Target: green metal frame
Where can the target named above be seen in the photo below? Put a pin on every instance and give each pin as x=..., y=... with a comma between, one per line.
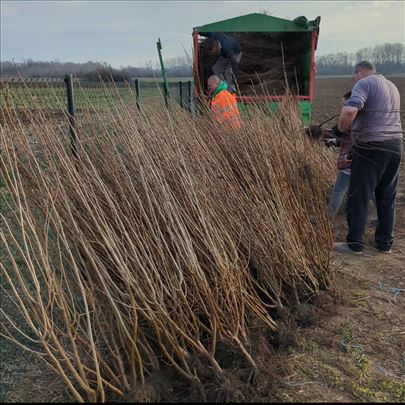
x=272, y=106
x=256, y=22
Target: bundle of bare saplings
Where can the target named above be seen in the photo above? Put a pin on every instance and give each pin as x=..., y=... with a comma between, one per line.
x=161, y=241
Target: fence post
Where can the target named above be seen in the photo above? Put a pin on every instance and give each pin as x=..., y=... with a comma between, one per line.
x=71, y=113
x=138, y=94
x=190, y=98
x=181, y=93
x=166, y=94
x=162, y=66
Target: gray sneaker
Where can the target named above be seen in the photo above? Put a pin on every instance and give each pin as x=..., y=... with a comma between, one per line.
x=343, y=247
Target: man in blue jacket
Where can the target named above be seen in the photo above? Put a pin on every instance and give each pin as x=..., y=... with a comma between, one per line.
x=230, y=51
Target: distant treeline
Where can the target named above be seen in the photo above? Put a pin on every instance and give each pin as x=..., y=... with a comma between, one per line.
x=94, y=71
x=388, y=58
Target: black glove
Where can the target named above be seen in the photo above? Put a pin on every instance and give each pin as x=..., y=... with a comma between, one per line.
x=314, y=131
x=336, y=132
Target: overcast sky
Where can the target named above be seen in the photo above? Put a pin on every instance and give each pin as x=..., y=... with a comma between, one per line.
x=124, y=33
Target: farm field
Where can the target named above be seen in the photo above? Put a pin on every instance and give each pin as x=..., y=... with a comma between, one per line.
x=347, y=347
x=51, y=96
x=328, y=93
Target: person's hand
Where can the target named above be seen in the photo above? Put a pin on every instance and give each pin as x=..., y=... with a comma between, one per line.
x=232, y=89
x=336, y=132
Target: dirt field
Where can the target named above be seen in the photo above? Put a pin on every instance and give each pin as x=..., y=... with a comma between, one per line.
x=348, y=347
x=355, y=351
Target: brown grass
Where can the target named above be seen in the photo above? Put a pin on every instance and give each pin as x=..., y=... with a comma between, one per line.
x=165, y=238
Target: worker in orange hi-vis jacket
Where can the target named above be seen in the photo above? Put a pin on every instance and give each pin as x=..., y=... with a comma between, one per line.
x=223, y=104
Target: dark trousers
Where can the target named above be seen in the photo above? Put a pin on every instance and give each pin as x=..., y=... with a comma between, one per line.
x=375, y=168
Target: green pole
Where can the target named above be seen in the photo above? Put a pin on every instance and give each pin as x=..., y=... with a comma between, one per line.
x=162, y=67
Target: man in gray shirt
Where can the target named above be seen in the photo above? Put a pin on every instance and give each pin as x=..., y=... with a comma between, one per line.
x=373, y=114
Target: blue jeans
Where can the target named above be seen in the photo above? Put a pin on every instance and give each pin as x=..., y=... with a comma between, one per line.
x=375, y=168
x=339, y=191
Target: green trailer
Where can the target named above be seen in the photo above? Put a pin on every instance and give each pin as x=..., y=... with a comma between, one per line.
x=278, y=54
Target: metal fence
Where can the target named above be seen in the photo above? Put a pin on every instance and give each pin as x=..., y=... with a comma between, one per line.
x=52, y=94
x=58, y=95
x=180, y=92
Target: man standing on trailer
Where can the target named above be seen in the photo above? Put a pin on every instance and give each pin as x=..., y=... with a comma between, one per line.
x=373, y=112
x=230, y=51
